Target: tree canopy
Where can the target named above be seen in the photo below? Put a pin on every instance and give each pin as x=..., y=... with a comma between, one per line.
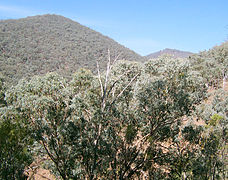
x=114, y=125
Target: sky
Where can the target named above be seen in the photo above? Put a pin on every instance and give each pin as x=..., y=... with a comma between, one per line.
x=144, y=26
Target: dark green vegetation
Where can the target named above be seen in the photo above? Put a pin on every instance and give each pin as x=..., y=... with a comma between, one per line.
x=172, y=52
x=40, y=44
x=132, y=120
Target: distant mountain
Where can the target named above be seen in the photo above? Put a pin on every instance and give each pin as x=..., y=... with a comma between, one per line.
x=40, y=44
x=173, y=52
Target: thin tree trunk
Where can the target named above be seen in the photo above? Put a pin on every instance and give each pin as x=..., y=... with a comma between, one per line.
x=224, y=82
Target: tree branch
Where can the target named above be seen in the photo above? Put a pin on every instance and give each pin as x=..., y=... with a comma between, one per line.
x=99, y=77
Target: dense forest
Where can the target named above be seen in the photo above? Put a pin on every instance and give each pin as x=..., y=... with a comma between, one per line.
x=40, y=44
x=165, y=118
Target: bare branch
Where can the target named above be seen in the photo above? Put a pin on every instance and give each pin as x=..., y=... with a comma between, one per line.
x=106, y=80
x=99, y=77
x=107, y=70
x=125, y=88
x=115, y=60
x=117, y=81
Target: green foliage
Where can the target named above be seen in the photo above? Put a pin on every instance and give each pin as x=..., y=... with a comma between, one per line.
x=2, y=91
x=46, y=102
x=211, y=161
x=170, y=92
x=212, y=64
x=214, y=120
x=15, y=144
x=15, y=140
x=130, y=133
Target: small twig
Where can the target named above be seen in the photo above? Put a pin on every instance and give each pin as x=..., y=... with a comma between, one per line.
x=124, y=88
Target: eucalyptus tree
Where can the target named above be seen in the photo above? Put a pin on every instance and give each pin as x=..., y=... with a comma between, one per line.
x=169, y=92
x=46, y=101
x=117, y=92
x=15, y=140
x=212, y=162
x=72, y=121
x=15, y=143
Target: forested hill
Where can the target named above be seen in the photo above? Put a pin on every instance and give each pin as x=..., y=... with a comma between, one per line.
x=173, y=52
x=40, y=44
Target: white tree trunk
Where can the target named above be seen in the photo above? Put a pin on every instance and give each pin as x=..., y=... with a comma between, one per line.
x=224, y=82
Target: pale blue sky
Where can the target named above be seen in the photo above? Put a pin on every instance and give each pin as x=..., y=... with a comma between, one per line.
x=144, y=26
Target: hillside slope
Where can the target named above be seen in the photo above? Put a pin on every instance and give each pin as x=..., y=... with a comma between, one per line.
x=173, y=52
x=212, y=64
x=40, y=44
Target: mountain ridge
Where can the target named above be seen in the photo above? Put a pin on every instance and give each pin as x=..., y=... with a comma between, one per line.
x=44, y=43
x=173, y=52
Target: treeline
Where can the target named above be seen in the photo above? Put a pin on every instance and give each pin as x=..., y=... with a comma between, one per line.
x=131, y=121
